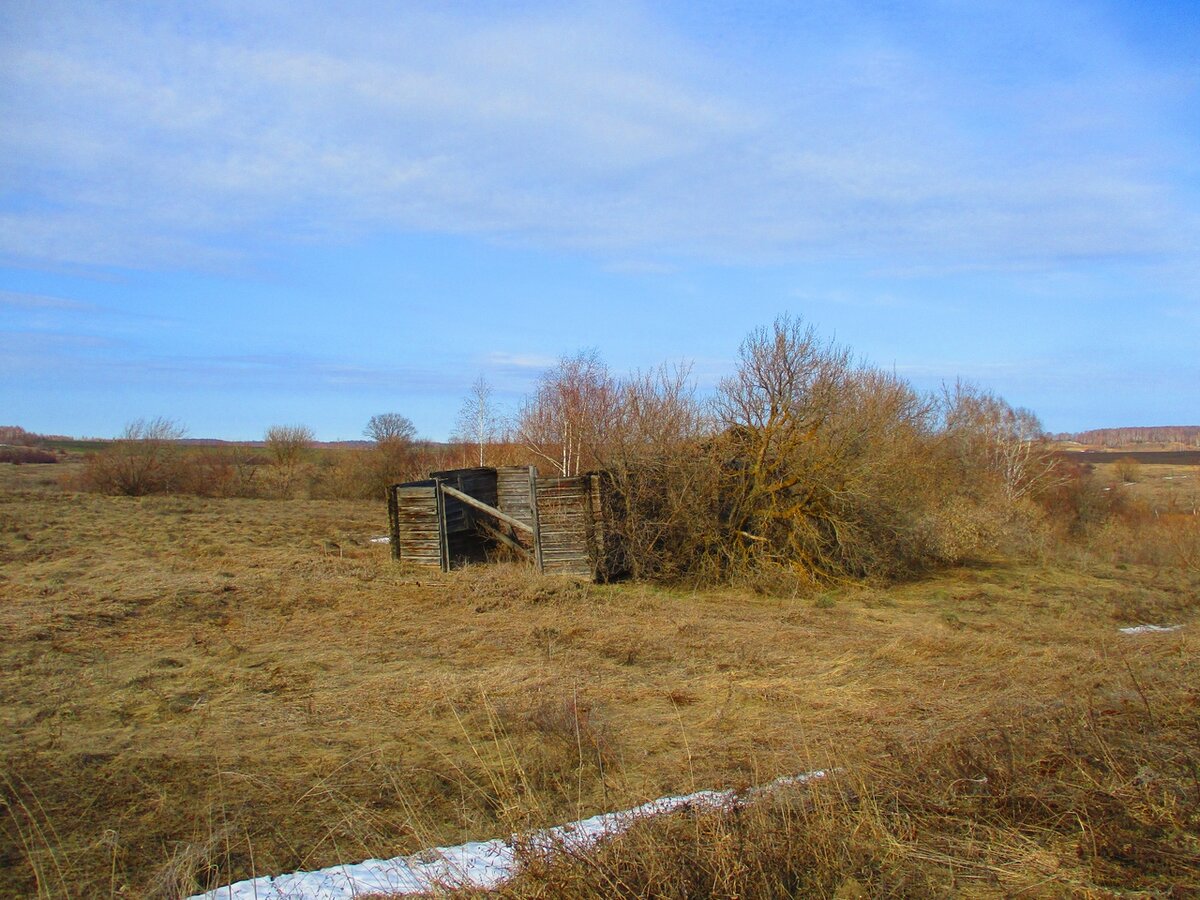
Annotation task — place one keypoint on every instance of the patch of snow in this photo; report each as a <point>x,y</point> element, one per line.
<point>382,539</point>
<point>479,864</point>
<point>1150,629</point>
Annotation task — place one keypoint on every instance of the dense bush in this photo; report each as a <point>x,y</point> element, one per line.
<point>144,460</point>
<point>805,462</point>
<point>19,455</point>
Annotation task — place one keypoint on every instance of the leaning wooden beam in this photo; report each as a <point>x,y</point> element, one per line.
<point>480,505</point>
<point>505,539</point>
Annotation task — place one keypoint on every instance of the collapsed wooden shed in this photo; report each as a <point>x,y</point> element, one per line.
<point>463,515</point>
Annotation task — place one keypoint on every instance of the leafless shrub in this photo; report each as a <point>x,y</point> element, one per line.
<point>1128,469</point>
<point>806,462</point>
<point>662,476</point>
<point>144,460</point>
<point>1080,502</point>
<point>286,446</point>
<point>824,470</point>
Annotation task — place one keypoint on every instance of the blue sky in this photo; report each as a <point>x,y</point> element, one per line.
<point>245,214</point>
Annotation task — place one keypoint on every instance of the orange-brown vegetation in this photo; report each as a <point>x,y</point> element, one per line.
<point>20,455</point>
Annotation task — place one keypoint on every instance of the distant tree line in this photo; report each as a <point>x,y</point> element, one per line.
<point>1185,435</point>
<point>17,436</point>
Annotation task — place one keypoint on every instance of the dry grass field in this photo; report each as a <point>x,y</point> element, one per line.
<point>196,690</point>
<point>1162,488</point>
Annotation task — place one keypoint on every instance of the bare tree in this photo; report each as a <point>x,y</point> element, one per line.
<point>990,439</point>
<point>391,460</point>
<point>390,428</point>
<point>562,422</point>
<point>778,400</point>
<point>286,445</point>
<point>478,423</point>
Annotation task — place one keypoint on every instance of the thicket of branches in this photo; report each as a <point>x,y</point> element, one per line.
<point>805,461</point>
<point>145,459</point>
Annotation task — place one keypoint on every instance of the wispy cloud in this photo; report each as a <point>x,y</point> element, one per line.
<point>524,362</point>
<point>40,302</point>
<point>79,359</point>
<point>151,137</point>
<point>860,299</point>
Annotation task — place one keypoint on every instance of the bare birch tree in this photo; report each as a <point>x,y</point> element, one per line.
<point>478,423</point>
<point>563,420</point>
<point>991,439</point>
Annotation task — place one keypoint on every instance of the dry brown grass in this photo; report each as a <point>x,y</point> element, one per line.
<point>1161,489</point>
<point>1085,800</point>
<point>196,690</point>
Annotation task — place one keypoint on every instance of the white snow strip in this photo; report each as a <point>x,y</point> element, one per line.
<point>382,539</point>
<point>1150,629</point>
<point>478,864</point>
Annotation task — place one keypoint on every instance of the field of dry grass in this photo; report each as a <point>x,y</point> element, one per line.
<point>196,690</point>
<point>1163,488</point>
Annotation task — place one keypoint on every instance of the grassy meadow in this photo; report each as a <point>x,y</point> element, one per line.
<point>196,690</point>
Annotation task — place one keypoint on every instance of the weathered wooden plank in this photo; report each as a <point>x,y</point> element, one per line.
<point>393,524</point>
<point>565,526</point>
<point>483,507</point>
<point>441,515</point>
<point>539,564</point>
<point>418,538</point>
<point>514,493</point>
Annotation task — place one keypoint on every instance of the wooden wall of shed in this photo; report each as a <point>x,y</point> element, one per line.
<point>564,509</point>
<point>512,492</point>
<point>596,508</point>
<point>432,529</point>
<point>418,535</point>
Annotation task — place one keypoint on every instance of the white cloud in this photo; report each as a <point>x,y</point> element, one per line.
<point>40,302</point>
<point>522,361</point>
<point>144,137</point>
